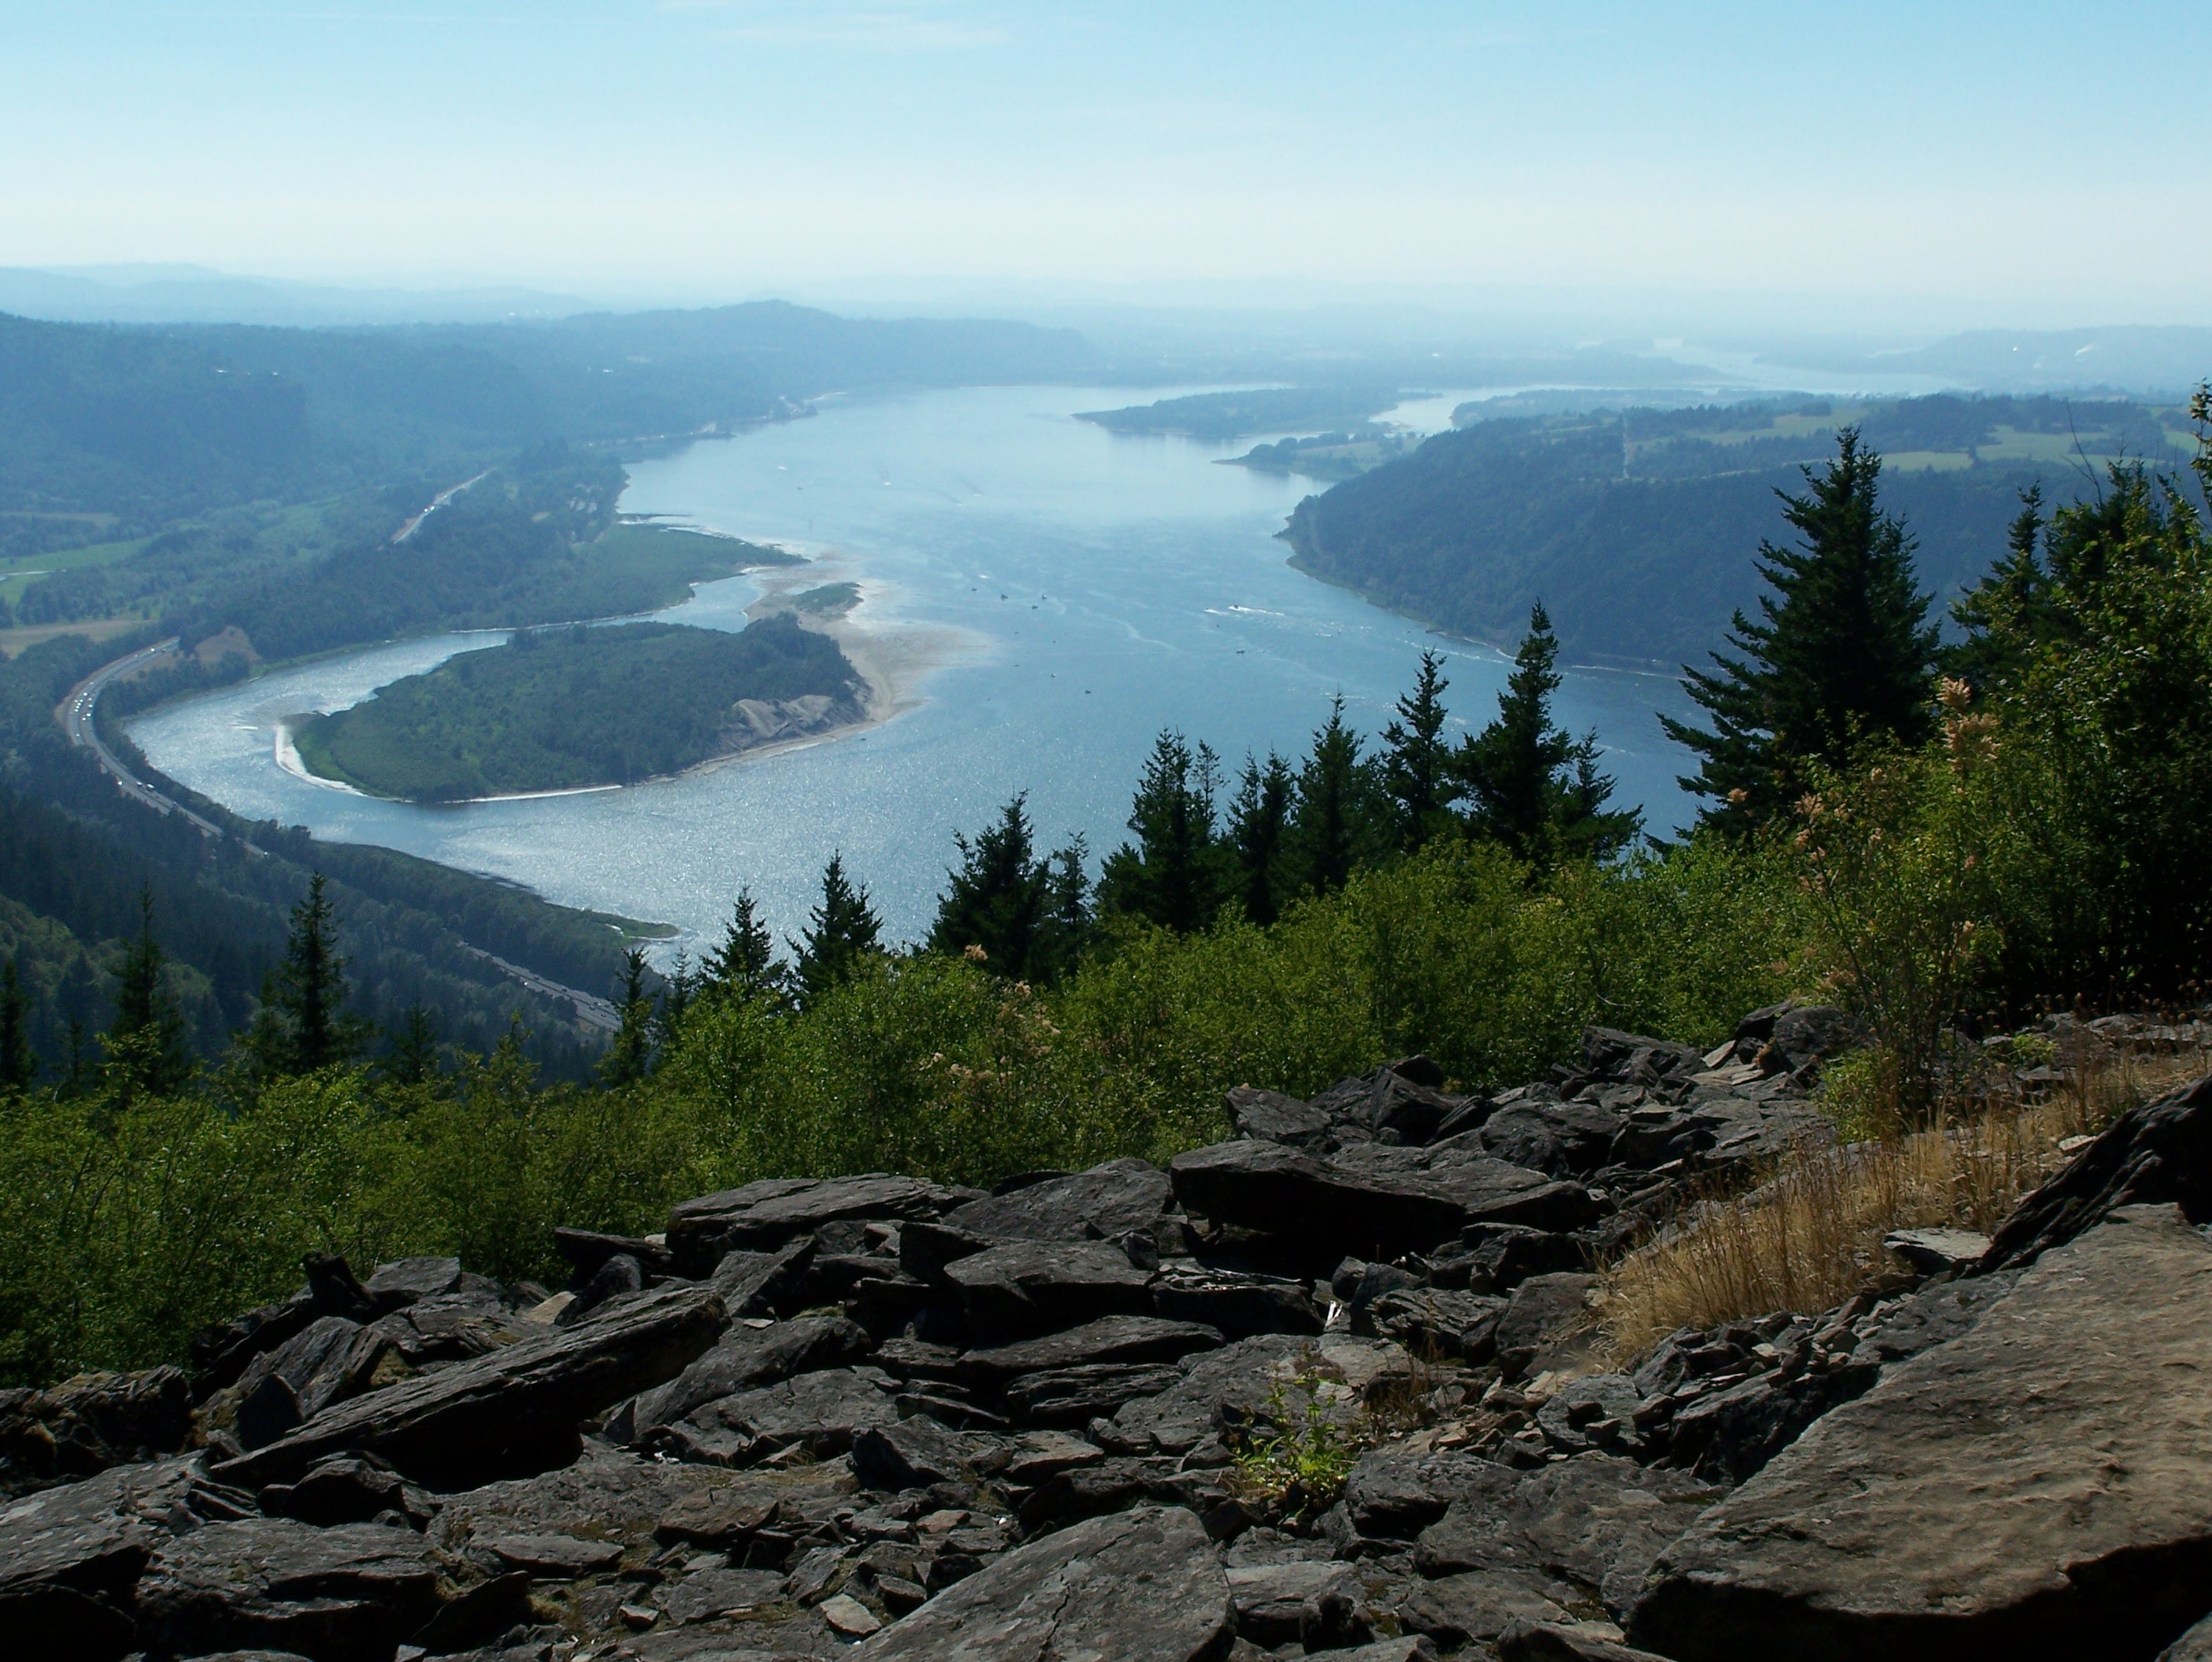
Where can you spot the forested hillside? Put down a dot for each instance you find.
(1636, 529)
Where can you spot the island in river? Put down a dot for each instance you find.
(572, 708)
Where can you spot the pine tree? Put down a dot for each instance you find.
(1842, 656)
(413, 1059)
(1174, 873)
(996, 898)
(678, 991)
(146, 1045)
(632, 1047)
(304, 1025)
(1068, 926)
(1259, 819)
(18, 1066)
(1340, 820)
(1416, 763)
(745, 965)
(839, 932)
(1530, 786)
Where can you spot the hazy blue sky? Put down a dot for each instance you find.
(2047, 157)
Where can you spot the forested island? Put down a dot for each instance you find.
(570, 708)
(1226, 416)
(1635, 527)
(1326, 456)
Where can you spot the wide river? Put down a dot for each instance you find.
(1059, 595)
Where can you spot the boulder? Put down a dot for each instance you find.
(1395, 1493)
(762, 1284)
(2195, 1646)
(1144, 1583)
(1931, 1252)
(1239, 1303)
(1103, 1204)
(820, 1412)
(1559, 1138)
(2034, 1488)
(1463, 1326)
(1268, 1116)
(586, 1250)
(516, 1403)
(396, 1285)
(71, 1555)
(1070, 1397)
(1485, 1189)
(1501, 1256)
(345, 1489)
(1602, 1520)
(764, 1216)
(330, 1360)
(1543, 1315)
(1476, 1605)
(1238, 1378)
(1123, 1340)
(2159, 1152)
(552, 1557)
(909, 1453)
(1557, 1641)
(1314, 1604)
(91, 1422)
(1399, 1102)
(1036, 1286)
(706, 1594)
(744, 1358)
(1266, 1186)
(348, 1593)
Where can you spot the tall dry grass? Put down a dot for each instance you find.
(1808, 1235)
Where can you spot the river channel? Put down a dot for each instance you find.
(1049, 595)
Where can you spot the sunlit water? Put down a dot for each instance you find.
(1105, 587)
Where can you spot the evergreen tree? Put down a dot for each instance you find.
(1067, 923)
(996, 899)
(146, 1045)
(1416, 763)
(631, 1050)
(1529, 785)
(1341, 820)
(744, 965)
(1842, 656)
(303, 1024)
(413, 1059)
(1174, 873)
(676, 992)
(839, 932)
(18, 1066)
(1259, 818)
(2011, 612)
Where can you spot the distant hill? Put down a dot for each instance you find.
(1637, 530)
(2143, 359)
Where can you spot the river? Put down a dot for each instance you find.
(1056, 594)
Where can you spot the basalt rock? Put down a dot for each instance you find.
(522, 1402)
(2032, 1488)
(348, 1593)
(1106, 1202)
(745, 1357)
(88, 1423)
(764, 1216)
(1038, 1286)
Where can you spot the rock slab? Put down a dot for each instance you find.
(2040, 1487)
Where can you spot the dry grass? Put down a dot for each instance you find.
(1808, 1235)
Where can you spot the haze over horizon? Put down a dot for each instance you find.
(1925, 171)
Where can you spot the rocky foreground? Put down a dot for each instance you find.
(1325, 1388)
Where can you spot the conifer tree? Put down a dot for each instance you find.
(303, 1024)
(1259, 819)
(18, 1066)
(1416, 763)
(1068, 923)
(1529, 785)
(746, 964)
(677, 989)
(1174, 873)
(1339, 821)
(840, 932)
(146, 1045)
(997, 898)
(413, 1059)
(1842, 656)
(631, 1050)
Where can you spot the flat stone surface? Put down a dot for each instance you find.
(1034, 1286)
(70, 1556)
(1479, 1605)
(1178, 1419)
(1395, 1493)
(1117, 1198)
(349, 1593)
(1238, 1303)
(462, 1417)
(2036, 1488)
(1072, 1397)
(1600, 1519)
(1145, 1584)
(1268, 1186)
(821, 1412)
(744, 1358)
(765, 1216)
(409, 1279)
(1271, 1117)
(704, 1594)
(554, 1557)
(1122, 1339)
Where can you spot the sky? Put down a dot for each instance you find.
(2028, 163)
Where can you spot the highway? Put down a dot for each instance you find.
(75, 713)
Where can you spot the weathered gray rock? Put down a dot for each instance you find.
(764, 1216)
(344, 1489)
(744, 1359)
(2157, 1153)
(1145, 1583)
(1602, 1520)
(908, 1453)
(1559, 1138)
(1485, 1189)
(1932, 1251)
(1544, 1313)
(1103, 1204)
(587, 1249)
(1267, 1186)
(553, 1557)
(90, 1421)
(1239, 1303)
(71, 1555)
(2195, 1646)
(1239, 1377)
(1111, 1340)
(332, 1359)
(1036, 1286)
(527, 1395)
(1072, 1397)
(1554, 1642)
(349, 1593)
(411, 1279)
(1314, 1604)
(2036, 1488)
(1271, 1117)
(1395, 1493)
(821, 1412)
(703, 1595)
(1428, 1321)
(1477, 1604)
